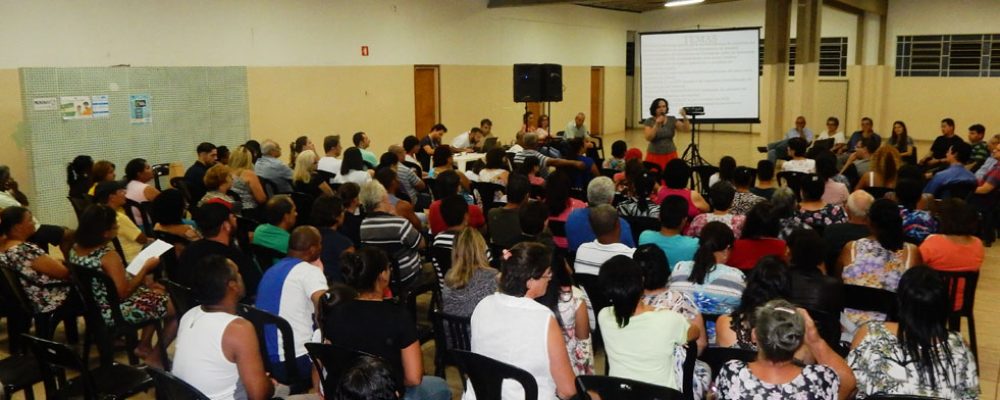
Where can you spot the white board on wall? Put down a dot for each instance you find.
(715, 69)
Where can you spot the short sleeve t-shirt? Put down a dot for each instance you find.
(644, 349)
(286, 290)
(677, 248)
(376, 327)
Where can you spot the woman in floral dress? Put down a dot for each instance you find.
(139, 301)
(917, 355)
(44, 279)
(575, 316)
(813, 211)
(877, 261)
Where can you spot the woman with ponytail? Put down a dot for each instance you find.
(384, 329)
(715, 287)
(78, 175)
(301, 143)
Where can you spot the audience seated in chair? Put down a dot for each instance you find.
(470, 278)
(856, 227)
(279, 218)
(810, 285)
(45, 235)
(760, 238)
(327, 216)
(216, 350)
(137, 176)
(169, 210)
(604, 221)
(392, 233)
(798, 163)
(673, 220)
(504, 225)
(631, 327)
(540, 348)
(369, 379)
(112, 194)
(955, 247)
(304, 176)
(955, 172)
(780, 329)
(246, 184)
(637, 193)
(218, 229)
(744, 199)
(938, 362)
(218, 180)
(722, 195)
(369, 324)
(918, 223)
(409, 179)
(353, 168)
(388, 178)
(767, 280)
(195, 174)
(876, 261)
(291, 289)
(716, 287)
(353, 214)
(39, 273)
(449, 183)
(813, 211)
(600, 191)
(270, 167)
(765, 185)
(675, 177)
(139, 301)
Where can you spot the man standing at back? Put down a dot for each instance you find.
(194, 177)
(330, 163)
(291, 289)
(270, 167)
(216, 350)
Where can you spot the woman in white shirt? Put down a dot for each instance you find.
(352, 169)
(511, 327)
(799, 162)
(495, 171)
(137, 174)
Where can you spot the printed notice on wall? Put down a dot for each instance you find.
(46, 104)
(76, 107)
(100, 106)
(140, 111)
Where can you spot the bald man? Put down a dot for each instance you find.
(291, 289)
(838, 235)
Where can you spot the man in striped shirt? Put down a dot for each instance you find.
(590, 256)
(392, 233)
(531, 150)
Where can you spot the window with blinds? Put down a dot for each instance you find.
(948, 55)
(832, 56)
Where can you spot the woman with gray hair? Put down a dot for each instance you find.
(779, 331)
(785, 205)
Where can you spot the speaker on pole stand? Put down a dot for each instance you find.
(692, 155)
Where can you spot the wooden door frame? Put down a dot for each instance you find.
(600, 104)
(420, 133)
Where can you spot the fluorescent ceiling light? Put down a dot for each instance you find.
(678, 3)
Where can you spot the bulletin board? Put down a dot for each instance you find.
(121, 113)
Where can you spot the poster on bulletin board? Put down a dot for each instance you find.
(140, 111)
(76, 107)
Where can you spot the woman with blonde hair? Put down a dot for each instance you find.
(246, 184)
(470, 278)
(304, 177)
(885, 169)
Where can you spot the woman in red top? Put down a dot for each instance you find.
(760, 238)
(955, 247)
(675, 178)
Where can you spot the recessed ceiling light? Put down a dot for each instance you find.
(678, 3)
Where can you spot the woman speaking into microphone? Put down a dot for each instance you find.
(660, 130)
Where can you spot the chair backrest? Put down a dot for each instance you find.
(169, 260)
(80, 203)
(265, 256)
(612, 388)
(327, 176)
(180, 184)
(687, 381)
(270, 188)
(169, 386)
(487, 194)
(886, 396)
(792, 180)
(609, 172)
(871, 299)
(878, 192)
(244, 226)
(182, 296)
(441, 259)
(267, 326)
(303, 206)
(592, 286)
(642, 224)
(968, 292)
(86, 282)
(717, 357)
(700, 176)
(132, 208)
(12, 289)
(158, 171)
(958, 190)
(334, 361)
(487, 375)
(451, 332)
(53, 360)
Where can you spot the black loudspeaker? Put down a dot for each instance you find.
(552, 87)
(527, 83)
(537, 83)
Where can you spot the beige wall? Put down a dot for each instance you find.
(12, 137)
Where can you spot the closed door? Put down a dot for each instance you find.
(596, 99)
(426, 98)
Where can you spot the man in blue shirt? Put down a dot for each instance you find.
(601, 190)
(956, 172)
(270, 167)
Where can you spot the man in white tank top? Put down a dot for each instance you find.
(217, 351)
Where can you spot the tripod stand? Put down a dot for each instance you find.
(691, 154)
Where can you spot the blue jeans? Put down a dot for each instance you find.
(430, 388)
(776, 150)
